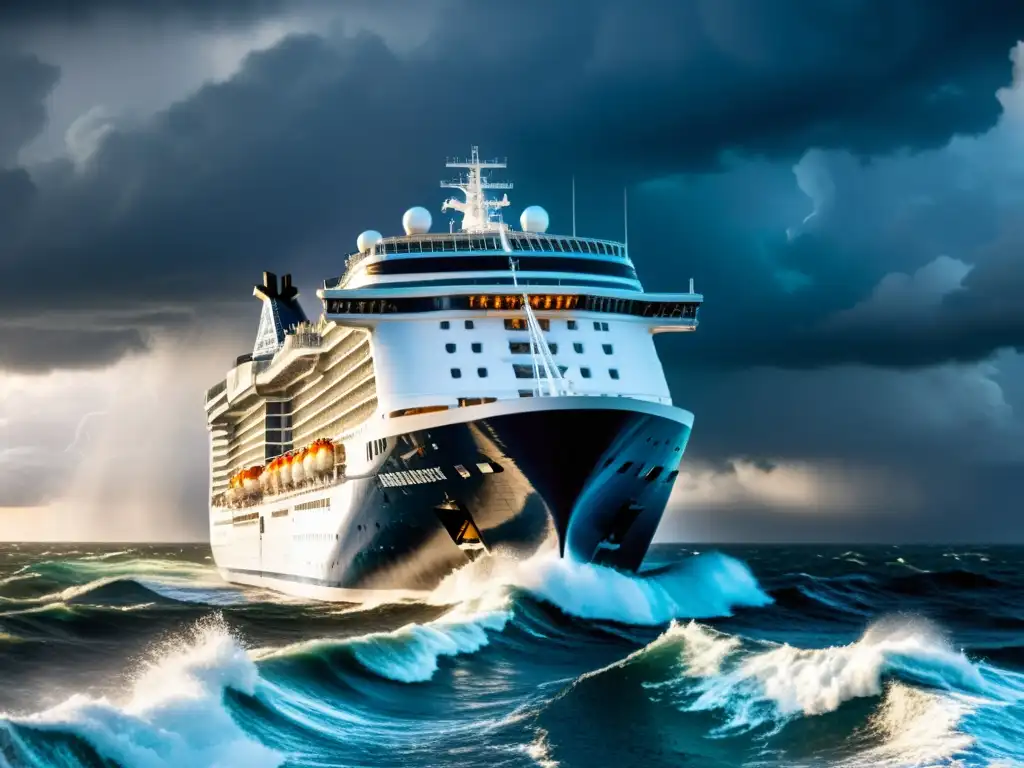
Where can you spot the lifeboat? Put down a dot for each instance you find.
(298, 472)
(309, 461)
(286, 470)
(272, 475)
(324, 456)
(251, 479)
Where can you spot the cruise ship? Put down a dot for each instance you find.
(482, 389)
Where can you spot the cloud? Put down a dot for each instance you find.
(799, 487)
(25, 82)
(260, 168)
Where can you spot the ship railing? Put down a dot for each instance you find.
(216, 389)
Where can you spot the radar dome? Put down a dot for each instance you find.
(417, 221)
(534, 219)
(367, 240)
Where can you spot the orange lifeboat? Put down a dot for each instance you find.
(309, 461)
(251, 479)
(324, 456)
(298, 472)
(286, 470)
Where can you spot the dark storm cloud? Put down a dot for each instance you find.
(25, 82)
(79, 11)
(316, 139)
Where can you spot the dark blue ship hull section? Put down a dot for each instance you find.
(593, 483)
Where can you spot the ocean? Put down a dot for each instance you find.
(713, 656)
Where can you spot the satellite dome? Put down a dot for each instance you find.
(417, 221)
(534, 219)
(367, 240)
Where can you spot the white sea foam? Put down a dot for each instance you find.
(784, 681)
(704, 586)
(174, 714)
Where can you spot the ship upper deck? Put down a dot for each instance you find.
(471, 252)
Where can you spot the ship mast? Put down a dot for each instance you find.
(478, 213)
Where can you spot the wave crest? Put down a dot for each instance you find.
(173, 715)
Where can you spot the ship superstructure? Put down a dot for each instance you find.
(480, 389)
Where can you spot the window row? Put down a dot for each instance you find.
(376, 447)
(685, 310)
(650, 475)
(468, 324)
(525, 371)
(457, 373)
(523, 347)
(476, 346)
(518, 242)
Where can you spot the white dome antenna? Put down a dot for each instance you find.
(368, 239)
(534, 219)
(417, 221)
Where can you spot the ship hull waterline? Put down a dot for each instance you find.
(590, 477)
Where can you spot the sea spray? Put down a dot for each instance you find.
(784, 681)
(174, 714)
(702, 586)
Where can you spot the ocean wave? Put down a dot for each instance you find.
(784, 681)
(174, 713)
(703, 586)
(410, 654)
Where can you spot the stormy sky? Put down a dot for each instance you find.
(844, 180)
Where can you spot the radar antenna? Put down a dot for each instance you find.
(478, 213)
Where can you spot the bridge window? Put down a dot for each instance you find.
(450, 348)
(456, 373)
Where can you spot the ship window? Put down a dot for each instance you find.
(625, 467)
(519, 347)
(477, 347)
(456, 373)
(572, 325)
(597, 326)
(402, 248)
(651, 476)
(585, 373)
(559, 245)
(607, 348)
(545, 244)
(578, 347)
(613, 372)
(519, 324)
(469, 325)
(492, 244)
(445, 325)
(672, 476)
(481, 372)
(553, 346)
(526, 393)
(275, 407)
(524, 371)
(450, 348)
(604, 326)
